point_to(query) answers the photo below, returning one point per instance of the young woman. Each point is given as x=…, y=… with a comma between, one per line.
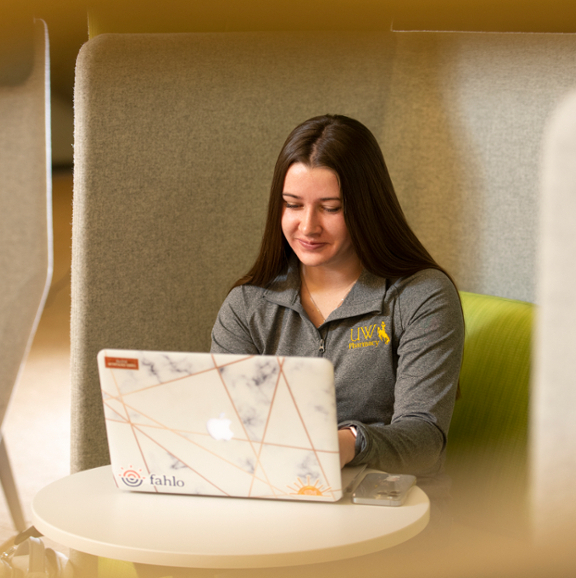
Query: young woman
x=341, y=275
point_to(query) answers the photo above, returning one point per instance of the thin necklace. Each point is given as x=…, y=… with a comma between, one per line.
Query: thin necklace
x=314, y=302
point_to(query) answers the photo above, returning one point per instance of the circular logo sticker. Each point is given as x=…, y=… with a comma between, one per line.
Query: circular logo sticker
x=132, y=478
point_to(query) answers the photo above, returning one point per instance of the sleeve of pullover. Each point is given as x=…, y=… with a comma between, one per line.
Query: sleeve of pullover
x=429, y=347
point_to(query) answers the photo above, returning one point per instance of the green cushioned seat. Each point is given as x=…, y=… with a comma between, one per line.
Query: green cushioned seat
x=488, y=438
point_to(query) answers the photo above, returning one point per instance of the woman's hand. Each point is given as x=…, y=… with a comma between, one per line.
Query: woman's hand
x=347, y=446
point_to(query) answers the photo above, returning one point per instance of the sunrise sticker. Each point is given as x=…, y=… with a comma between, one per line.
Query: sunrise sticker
x=308, y=489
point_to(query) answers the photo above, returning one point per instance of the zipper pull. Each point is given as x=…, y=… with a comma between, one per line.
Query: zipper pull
x=322, y=349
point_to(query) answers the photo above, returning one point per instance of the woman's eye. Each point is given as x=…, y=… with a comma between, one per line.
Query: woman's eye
x=327, y=209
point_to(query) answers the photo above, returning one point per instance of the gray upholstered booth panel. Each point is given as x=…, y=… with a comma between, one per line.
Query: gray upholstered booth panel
x=25, y=211
x=462, y=137
x=25, y=215
x=176, y=139
x=177, y=135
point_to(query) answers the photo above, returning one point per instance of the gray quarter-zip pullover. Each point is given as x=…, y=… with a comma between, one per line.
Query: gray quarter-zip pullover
x=396, y=346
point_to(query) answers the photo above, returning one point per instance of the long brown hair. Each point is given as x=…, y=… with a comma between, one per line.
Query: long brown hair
x=381, y=236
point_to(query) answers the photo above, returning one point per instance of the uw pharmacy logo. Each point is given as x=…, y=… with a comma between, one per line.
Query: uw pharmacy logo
x=368, y=336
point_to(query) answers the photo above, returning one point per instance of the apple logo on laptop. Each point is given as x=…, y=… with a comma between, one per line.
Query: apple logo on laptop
x=219, y=428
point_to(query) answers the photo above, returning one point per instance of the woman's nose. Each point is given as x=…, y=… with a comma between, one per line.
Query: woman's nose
x=310, y=224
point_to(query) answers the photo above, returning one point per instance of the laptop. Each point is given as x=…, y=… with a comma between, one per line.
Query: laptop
x=222, y=425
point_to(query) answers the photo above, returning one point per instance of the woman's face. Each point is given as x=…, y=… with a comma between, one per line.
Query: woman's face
x=313, y=218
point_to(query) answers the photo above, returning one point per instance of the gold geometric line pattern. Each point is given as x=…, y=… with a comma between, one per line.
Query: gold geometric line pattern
x=141, y=452
x=132, y=428
x=162, y=383
x=162, y=427
x=180, y=460
x=256, y=455
x=207, y=435
x=267, y=422
x=136, y=427
x=117, y=389
x=121, y=420
x=306, y=430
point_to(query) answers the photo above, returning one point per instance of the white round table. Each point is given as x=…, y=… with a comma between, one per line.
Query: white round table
x=87, y=512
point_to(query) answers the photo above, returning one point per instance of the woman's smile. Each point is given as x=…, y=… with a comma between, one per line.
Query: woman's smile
x=310, y=245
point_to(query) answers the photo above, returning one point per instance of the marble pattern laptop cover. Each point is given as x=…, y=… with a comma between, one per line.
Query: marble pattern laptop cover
x=223, y=425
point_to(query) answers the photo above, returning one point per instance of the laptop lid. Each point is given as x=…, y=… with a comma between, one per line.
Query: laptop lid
x=221, y=425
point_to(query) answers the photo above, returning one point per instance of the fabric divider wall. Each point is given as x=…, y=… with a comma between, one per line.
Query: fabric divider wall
x=175, y=144
x=462, y=141
x=25, y=212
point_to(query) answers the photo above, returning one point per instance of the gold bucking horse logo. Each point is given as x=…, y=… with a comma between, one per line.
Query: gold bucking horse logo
x=382, y=333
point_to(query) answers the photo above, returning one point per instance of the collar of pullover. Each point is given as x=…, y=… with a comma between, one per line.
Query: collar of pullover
x=366, y=296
